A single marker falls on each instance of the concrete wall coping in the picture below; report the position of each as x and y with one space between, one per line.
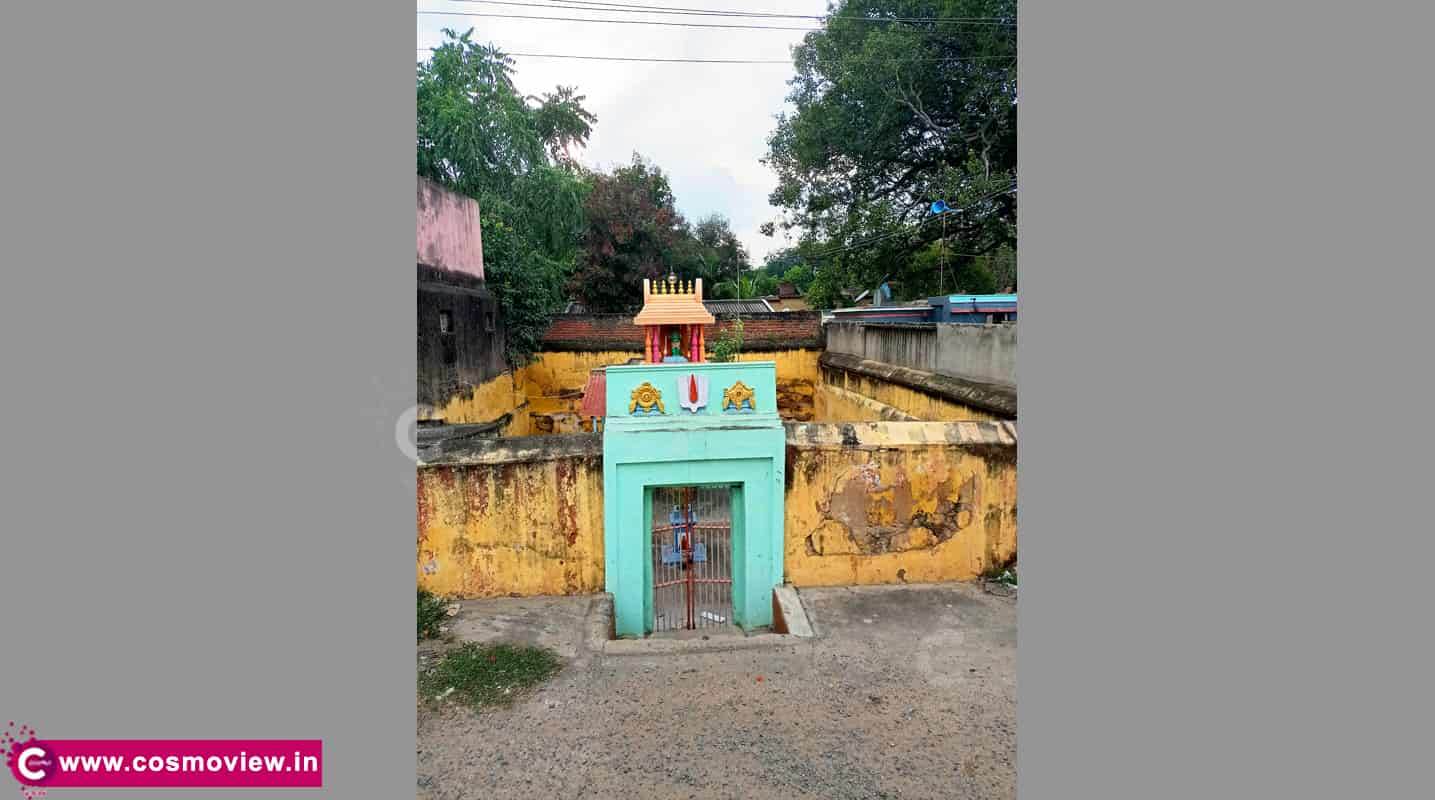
992 397
855 324
876 435
510 450
984 354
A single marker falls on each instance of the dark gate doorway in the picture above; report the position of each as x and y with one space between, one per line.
692 557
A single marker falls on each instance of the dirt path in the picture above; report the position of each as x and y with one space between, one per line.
907 692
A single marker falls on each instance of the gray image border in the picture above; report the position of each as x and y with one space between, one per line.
208 325
1219 585
207 319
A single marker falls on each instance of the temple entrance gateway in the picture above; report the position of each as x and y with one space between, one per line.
693 459
691 557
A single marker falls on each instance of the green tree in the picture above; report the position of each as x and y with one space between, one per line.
478 136
724 255
562 122
889 118
825 291
962 274
799 276
632 232
745 287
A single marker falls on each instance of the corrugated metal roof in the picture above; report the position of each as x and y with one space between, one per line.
754 305
977 299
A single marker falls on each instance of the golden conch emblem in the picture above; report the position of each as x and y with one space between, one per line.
734 396
647 397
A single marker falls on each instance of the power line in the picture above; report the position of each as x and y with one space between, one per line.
787 61
618 21
634 8
698 60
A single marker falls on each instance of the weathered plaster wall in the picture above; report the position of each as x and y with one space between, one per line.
864 503
544 396
495 400
554 382
797 379
895 502
461 335
555 372
519 516
846 395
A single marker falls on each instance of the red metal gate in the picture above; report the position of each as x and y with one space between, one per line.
692 557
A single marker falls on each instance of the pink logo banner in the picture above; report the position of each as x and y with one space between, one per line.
167 763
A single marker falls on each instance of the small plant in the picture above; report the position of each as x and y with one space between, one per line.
487 675
727 343
1002 573
431 613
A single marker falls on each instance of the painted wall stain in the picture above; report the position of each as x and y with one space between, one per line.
512 529
909 513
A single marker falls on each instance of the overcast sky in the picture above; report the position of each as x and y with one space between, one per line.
706 125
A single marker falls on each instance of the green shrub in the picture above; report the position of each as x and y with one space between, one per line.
431 613
727 343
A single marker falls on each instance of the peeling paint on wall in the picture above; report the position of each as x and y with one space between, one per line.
518 528
545 396
864 503
874 512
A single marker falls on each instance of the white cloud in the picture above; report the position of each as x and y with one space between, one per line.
706 125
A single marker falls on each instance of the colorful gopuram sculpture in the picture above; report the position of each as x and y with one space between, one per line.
673 317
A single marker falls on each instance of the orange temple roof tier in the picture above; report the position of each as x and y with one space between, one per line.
673 302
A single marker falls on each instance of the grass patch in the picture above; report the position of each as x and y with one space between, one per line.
431 613
487 675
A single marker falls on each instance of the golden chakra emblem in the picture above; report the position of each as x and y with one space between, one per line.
735 395
647 397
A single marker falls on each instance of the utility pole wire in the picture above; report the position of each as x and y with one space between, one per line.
633 8
663 23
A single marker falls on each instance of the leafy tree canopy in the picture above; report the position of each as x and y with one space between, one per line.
889 118
478 136
632 232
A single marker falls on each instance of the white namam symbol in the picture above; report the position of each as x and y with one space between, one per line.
693 391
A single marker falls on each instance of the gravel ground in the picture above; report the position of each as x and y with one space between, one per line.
908 691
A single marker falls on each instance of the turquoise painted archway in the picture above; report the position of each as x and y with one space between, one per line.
651 440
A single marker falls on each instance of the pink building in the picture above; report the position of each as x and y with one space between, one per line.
449 235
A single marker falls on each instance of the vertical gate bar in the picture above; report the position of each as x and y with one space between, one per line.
688 555
703 622
692 535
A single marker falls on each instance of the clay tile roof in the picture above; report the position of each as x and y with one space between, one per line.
595 394
673 303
